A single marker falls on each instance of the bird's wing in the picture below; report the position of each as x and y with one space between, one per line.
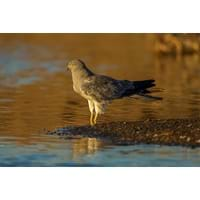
104 88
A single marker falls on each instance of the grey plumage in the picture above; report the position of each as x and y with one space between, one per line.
100 90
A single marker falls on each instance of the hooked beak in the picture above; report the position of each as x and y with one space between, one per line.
67 67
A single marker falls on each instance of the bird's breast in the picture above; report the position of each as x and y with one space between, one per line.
76 89
80 92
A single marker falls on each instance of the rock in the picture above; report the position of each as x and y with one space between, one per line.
161 132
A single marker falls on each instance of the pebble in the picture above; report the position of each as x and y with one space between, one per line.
155 135
188 139
137 131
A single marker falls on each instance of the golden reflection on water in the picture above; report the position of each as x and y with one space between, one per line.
36 91
85 146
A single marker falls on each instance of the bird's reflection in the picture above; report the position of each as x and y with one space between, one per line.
85 146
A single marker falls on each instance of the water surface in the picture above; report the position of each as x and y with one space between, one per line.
36 94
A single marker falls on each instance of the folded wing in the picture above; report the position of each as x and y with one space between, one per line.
103 88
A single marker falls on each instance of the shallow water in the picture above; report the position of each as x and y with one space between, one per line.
36 94
90 152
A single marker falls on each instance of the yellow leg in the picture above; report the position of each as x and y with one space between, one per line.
92 119
91 108
95 118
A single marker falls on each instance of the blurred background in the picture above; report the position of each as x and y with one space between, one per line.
36 90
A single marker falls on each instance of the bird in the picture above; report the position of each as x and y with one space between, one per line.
100 90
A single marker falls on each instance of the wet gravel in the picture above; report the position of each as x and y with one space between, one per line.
184 132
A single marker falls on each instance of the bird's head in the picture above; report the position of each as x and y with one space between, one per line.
78 66
75 64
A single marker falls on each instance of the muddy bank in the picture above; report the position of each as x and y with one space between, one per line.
184 132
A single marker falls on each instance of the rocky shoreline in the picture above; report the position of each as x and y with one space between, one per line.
182 132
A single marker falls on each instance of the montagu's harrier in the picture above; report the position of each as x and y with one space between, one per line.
100 90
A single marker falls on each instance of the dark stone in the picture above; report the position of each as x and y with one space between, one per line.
185 132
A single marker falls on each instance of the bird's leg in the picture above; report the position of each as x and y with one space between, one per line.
99 109
91 108
92 119
95 117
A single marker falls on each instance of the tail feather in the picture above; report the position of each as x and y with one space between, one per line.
140 88
143 85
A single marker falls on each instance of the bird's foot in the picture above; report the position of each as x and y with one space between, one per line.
92 123
93 120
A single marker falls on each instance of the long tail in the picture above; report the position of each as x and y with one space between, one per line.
142 86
